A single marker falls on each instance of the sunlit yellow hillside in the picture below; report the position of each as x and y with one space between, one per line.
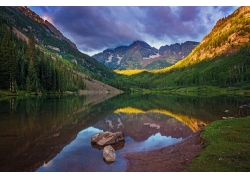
191 122
129 72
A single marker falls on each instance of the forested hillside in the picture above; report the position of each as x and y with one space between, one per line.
36 57
27 67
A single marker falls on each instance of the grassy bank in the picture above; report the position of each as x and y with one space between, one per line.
226 147
214 90
197 91
4 93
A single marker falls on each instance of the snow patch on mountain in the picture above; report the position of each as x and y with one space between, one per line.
152 125
152 56
109 58
120 58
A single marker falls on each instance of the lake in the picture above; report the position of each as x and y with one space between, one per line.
52 133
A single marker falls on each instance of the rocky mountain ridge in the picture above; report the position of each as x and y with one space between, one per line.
47 35
140 55
46 24
226 38
51 41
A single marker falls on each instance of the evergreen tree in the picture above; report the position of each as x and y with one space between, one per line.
31 48
32 74
23 66
33 80
8 63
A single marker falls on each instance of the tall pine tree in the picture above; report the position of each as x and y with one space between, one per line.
8 63
33 81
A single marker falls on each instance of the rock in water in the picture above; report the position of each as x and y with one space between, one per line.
116 146
109 154
107 138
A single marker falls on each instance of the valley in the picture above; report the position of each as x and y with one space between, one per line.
54 97
220 60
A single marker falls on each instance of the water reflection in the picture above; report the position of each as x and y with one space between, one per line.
141 126
35 129
116 146
52 133
80 156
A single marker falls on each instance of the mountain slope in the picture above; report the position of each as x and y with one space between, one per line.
140 55
47 35
222 59
226 38
52 63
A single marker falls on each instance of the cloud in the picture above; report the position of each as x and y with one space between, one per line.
95 28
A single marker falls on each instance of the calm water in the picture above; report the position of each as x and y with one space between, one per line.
52 133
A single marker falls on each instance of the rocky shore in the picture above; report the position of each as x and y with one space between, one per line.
168 159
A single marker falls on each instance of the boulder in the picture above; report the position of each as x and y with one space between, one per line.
107 138
109 154
116 146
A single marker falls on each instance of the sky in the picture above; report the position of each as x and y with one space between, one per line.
94 28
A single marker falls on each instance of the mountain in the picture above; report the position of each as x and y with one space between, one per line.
222 59
43 57
140 55
26 22
226 38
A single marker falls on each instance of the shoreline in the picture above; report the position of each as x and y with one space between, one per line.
173 158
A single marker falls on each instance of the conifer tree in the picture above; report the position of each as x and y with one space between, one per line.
32 74
8 63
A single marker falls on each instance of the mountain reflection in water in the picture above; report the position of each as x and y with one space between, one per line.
79 155
52 133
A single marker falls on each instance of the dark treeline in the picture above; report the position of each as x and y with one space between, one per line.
26 67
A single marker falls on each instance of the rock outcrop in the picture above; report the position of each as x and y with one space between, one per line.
177 51
51 29
107 138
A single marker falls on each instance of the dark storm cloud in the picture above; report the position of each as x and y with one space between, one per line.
168 22
188 13
93 27
100 27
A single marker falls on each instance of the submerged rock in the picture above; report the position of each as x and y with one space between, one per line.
109 154
107 138
116 146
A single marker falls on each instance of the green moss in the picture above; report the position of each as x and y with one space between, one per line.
226 147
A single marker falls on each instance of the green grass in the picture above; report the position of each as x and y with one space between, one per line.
211 90
4 94
197 91
226 147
